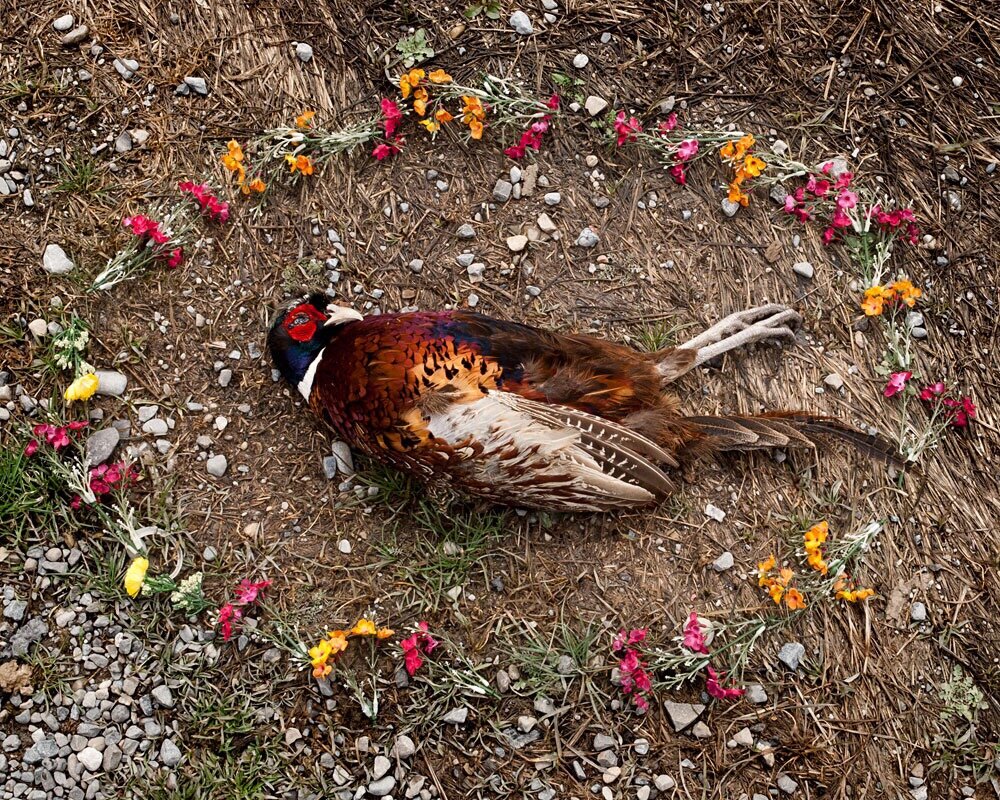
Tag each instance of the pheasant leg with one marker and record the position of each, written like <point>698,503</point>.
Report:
<point>742,328</point>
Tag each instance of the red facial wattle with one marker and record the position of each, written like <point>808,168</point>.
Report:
<point>302,321</point>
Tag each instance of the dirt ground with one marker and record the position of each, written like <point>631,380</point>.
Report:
<point>870,81</point>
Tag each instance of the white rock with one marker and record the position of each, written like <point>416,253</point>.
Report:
<point>345,462</point>
<point>723,562</point>
<point>552,198</point>
<point>957,81</point>
<point>521,23</point>
<point>75,36</point>
<point>38,328</point>
<point>729,208</point>
<point>111,383</point>
<point>587,238</point>
<point>170,756</point>
<point>196,83</point>
<point>344,547</point>
<point>787,785</point>
<point>918,612</point>
<point>217,465</point>
<point>546,224</point>
<point>91,758</point>
<point>804,269</point>
<point>517,243</point>
<point>664,783</point>
<point>55,261</point>
<point>304,52</point>
<point>595,105</point>
<point>404,747</point>
<point>156,427</point>
<point>715,512</point>
<point>63,23</point>
<point>581,60</point>
<point>456,716</point>
<point>126,67</point>
<point>381,767</point>
<point>834,381</point>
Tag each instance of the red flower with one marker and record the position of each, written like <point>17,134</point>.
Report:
<point>679,174</point>
<point>623,639</point>
<point>932,391</point>
<point>228,614</point>
<point>896,384</point>
<point>385,149</point>
<point>391,118</point>
<point>627,129</point>
<point>694,639</point>
<point>248,592</point>
<point>553,102</point>
<point>211,206</point>
<point>31,448</point>
<point>963,410</point>
<point>415,646</point>
<point>76,502</point>
<point>176,258</point>
<point>531,138</point>
<point>667,125</point>
<point>716,690</point>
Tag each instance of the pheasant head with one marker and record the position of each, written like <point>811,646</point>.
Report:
<point>300,333</point>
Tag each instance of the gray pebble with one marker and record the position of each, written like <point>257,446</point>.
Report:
<point>126,67</point>
<point>521,23</point>
<point>225,377</point>
<point>75,36</point>
<point>111,383</point>
<point>804,269</point>
<point>457,716</point>
<point>918,612</point>
<point>729,208</point>
<point>465,231</point>
<point>63,23</point>
<point>381,787</point>
<point>791,654</point>
<point>217,465</point>
<point>723,562</point>
<point>163,696</point>
<point>587,238</point>
<point>55,261</point>
<point>304,52</point>
<point>170,755</point>
<point>124,142</point>
<point>198,84</point>
<point>502,190</point>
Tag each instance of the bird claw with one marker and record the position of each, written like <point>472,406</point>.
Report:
<point>772,321</point>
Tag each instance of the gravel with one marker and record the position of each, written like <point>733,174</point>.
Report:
<point>381,787</point>
<point>465,231</point>
<point>502,190</point>
<point>55,261</point>
<point>804,270</point>
<point>91,758</point>
<point>580,60</point>
<point>683,714</point>
<point>304,52</point>
<point>170,755</point>
<point>791,654</point>
<point>517,243</point>
<point>456,716</point>
<point>217,465</point>
<point>404,746</point>
<point>604,742</point>
<point>729,208</point>
<point>63,23</point>
<point>163,696</point>
<point>552,198</point>
<point>595,105</point>
<point>918,612</point>
<point>101,444</point>
<point>341,451</point>
<point>587,238</point>
<point>723,562</point>
<point>126,67</point>
<point>197,84</point>
<point>834,381</point>
<point>111,383</point>
<point>75,36</point>
<point>521,23</point>
<point>787,785</point>
<point>756,694</point>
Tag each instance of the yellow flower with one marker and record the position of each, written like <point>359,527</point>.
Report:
<point>304,119</point>
<point>776,590</point>
<point>439,76</point>
<point>83,388</point>
<point>430,124</point>
<point>443,115</point>
<point>337,641</point>
<point>476,129</point>
<point>364,627</point>
<point>135,576</point>
<point>754,166</point>
<point>320,653</point>
<point>794,599</point>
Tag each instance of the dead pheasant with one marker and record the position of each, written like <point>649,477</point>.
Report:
<point>523,416</point>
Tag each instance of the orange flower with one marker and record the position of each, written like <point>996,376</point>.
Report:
<point>257,185</point>
<point>764,567</point>
<point>364,627</point>
<point>851,595</point>
<point>304,119</point>
<point>794,599</point>
<point>736,195</point>
<point>785,575</point>
<point>776,590</point>
<point>439,76</point>
<point>411,80</point>
<point>472,109</point>
<point>420,106</point>
<point>443,115</point>
<point>873,303</point>
<point>384,633</point>
<point>300,164</point>
<point>476,129</point>
<point>907,292</point>
<point>735,151</point>
<point>814,539</point>
<point>337,641</point>
<point>430,124</point>
<point>233,160</point>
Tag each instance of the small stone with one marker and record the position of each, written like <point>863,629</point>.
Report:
<point>957,81</point>
<point>111,383</point>
<point>744,737</point>
<point>701,731</point>
<point>920,793</point>
<point>918,333</point>
<point>75,36</point>
<point>566,665</point>
<point>502,190</point>
<point>381,767</point>
<point>723,562</point>
<point>729,208</point>
<point>38,328</point>
<point>417,265</point>
<point>124,142</point>
<point>778,194</point>
<point>714,512</point>
<point>791,654</point>
<point>502,681</point>
<point>304,52</point>
<point>170,755</point>
<point>126,67</point>
<point>63,23</point>
<point>683,714</point>
<point>604,742</point>
<point>526,723</point>
<point>918,612</point>
<point>163,696</point>
<point>756,694</point>
<point>330,467</point>
<point>55,261</point>
<point>581,60</point>
<point>457,716</point>
<point>404,746</point>
<point>344,547</point>
<point>156,427</point>
<point>600,201</point>
<point>787,785</point>
<point>552,198</point>
<point>664,783</point>
<point>521,23</point>
<point>587,238</point>
<point>804,269</point>
<point>381,787</point>
<point>465,231</point>
<point>954,200</point>
<point>217,465</point>
<point>101,444</point>
<point>15,610</point>
<point>595,105</point>
<point>545,223</point>
<point>517,243</point>
<point>90,758</point>
<point>342,452</point>
<point>834,381</point>
<point>196,83</point>
<point>225,377</point>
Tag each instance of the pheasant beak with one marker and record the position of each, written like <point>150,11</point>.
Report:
<point>338,315</point>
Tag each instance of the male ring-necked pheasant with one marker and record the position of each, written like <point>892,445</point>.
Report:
<point>524,416</point>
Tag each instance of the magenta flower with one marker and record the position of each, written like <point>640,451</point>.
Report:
<point>31,448</point>
<point>847,199</point>
<point>790,203</point>
<point>632,637</point>
<point>553,102</point>
<point>679,174</point>
<point>828,235</point>
<point>932,391</point>
<point>687,150</point>
<point>392,117</point>
<point>896,384</point>
<point>627,129</point>
<point>719,692</point>
<point>694,638</point>
<point>667,125</point>
<point>248,592</point>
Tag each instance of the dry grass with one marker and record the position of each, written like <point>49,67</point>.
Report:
<point>865,711</point>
